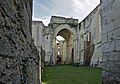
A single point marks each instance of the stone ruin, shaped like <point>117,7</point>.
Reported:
<point>82,42</point>
<point>19,58</point>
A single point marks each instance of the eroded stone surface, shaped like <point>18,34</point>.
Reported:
<point>110,15</point>
<point>18,55</point>
<point>90,39</point>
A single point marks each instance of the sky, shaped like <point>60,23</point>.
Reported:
<point>78,9</point>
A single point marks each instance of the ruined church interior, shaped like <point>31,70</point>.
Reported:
<point>29,48</point>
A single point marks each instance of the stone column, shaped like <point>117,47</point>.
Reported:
<point>54,51</point>
<point>68,53</point>
<point>75,41</point>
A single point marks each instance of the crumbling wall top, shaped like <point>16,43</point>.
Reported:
<point>38,23</point>
<point>58,19</point>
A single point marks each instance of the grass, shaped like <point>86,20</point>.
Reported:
<point>72,75</point>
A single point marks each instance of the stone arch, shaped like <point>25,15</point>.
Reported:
<point>73,31</point>
<point>65,26</point>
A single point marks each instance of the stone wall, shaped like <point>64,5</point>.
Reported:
<point>45,36</point>
<point>90,39</point>
<point>41,37</point>
<point>18,55</point>
<point>65,27</point>
<point>110,15</point>
<point>37,36</point>
<point>56,21</point>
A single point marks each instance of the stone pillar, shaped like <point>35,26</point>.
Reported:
<point>64,52</point>
<point>18,55</point>
<point>68,53</point>
<point>54,46</point>
<point>75,41</point>
<point>110,15</point>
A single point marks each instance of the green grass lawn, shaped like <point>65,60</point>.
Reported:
<point>72,75</point>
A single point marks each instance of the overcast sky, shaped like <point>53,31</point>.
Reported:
<point>78,9</point>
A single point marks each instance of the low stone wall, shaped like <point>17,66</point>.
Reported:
<point>18,55</point>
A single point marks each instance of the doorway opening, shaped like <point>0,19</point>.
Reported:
<point>64,47</point>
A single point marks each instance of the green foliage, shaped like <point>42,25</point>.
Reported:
<point>67,74</point>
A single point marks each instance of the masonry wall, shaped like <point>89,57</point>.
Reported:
<point>110,15</point>
<point>47,45</point>
<point>58,24</point>
<point>37,36</point>
<point>37,27</point>
<point>18,55</point>
<point>90,39</point>
<point>41,38</point>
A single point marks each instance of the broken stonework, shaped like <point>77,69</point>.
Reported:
<point>18,55</point>
<point>45,37</point>
<point>90,39</point>
<point>110,15</point>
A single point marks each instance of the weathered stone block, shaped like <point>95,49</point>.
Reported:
<point>116,32</point>
<point>116,67</point>
<point>116,3</point>
<point>110,77</point>
<point>108,47</point>
<point>16,47</point>
<point>114,14</point>
<point>105,56</point>
<point>117,45</point>
<point>105,65</point>
<point>117,23</point>
<point>104,21</point>
<point>106,7</point>
<point>107,28</point>
<point>111,12</point>
<point>105,38</point>
<point>116,55</point>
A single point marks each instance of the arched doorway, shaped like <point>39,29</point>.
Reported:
<point>64,48</point>
<point>67,28</point>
